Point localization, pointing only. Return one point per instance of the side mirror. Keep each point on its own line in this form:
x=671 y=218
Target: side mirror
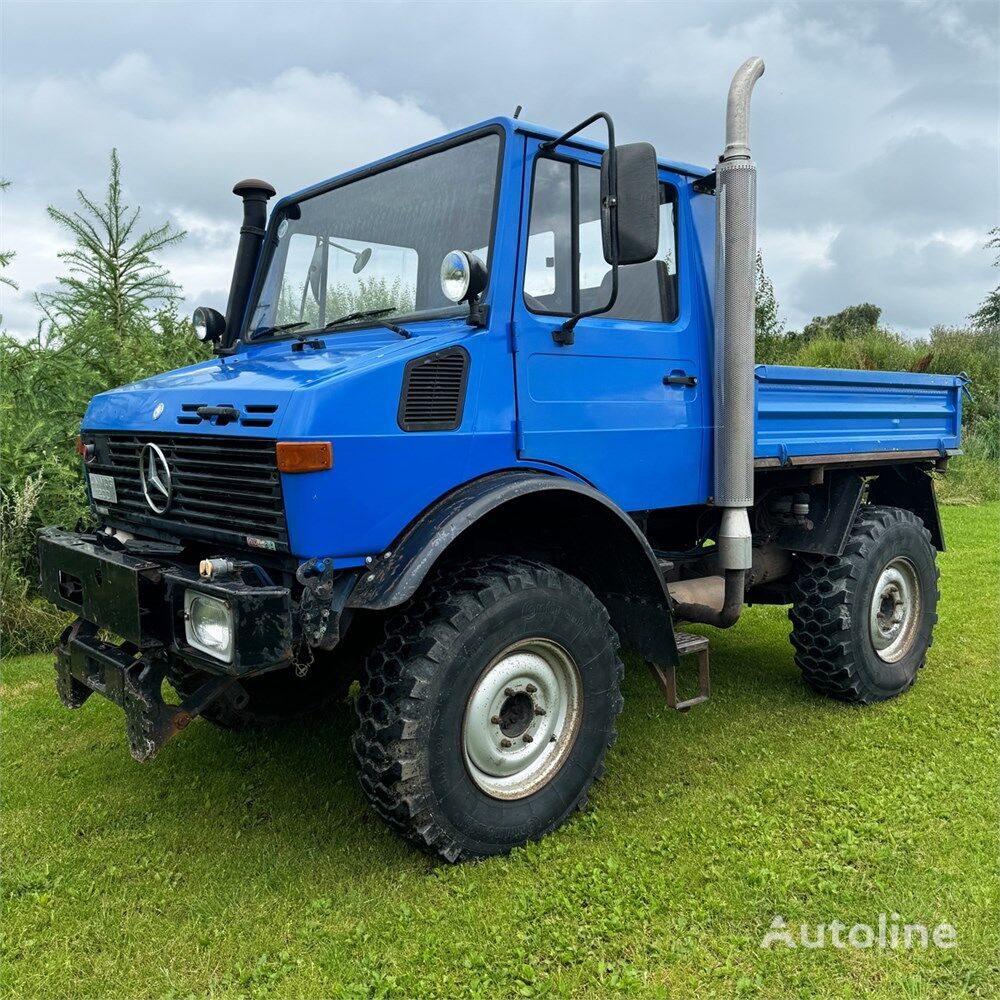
x=209 y=325
x=630 y=215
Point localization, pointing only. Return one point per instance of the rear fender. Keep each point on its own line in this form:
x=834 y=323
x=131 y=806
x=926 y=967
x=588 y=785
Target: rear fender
x=911 y=488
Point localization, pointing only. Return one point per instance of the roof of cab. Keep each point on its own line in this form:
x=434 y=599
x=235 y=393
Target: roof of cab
x=510 y=126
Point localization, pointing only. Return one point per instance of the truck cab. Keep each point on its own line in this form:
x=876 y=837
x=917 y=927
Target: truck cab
x=479 y=413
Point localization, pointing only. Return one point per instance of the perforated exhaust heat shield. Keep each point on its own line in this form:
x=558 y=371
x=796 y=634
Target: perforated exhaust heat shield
x=736 y=254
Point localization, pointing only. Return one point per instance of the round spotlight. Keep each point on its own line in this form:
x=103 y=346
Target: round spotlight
x=463 y=276
x=209 y=324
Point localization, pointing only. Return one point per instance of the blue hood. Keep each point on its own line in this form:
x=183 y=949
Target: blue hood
x=259 y=381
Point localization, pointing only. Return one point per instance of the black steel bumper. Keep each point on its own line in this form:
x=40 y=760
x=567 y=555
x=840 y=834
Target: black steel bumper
x=141 y=600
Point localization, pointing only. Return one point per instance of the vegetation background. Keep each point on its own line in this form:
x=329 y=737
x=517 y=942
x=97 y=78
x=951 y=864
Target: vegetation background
x=113 y=320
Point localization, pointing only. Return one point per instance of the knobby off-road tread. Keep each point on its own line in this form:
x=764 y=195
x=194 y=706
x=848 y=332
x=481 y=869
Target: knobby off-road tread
x=825 y=596
x=392 y=709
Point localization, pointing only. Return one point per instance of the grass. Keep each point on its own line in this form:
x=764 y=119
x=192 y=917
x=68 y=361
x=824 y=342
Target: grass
x=249 y=865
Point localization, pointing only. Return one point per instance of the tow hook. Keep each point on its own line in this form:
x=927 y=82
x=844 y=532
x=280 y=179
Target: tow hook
x=321 y=607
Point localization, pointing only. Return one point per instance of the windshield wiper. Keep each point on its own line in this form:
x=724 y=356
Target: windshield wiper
x=269 y=331
x=375 y=314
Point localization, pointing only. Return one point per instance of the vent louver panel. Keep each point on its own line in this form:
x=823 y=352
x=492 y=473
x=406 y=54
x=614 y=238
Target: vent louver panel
x=252 y=415
x=434 y=391
x=221 y=485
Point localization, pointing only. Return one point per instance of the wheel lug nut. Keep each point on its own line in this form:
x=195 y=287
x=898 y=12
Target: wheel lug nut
x=527 y=737
x=506 y=743
x=539 y=711
x=552 y=740
x=509 y=692
x=531 y=689
x=495 y=720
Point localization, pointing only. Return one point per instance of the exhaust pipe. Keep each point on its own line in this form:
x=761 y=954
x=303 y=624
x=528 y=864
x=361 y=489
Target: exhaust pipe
x=735 y=265
x=255 y=195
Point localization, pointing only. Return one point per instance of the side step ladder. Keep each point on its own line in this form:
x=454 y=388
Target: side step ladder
x=687 y=645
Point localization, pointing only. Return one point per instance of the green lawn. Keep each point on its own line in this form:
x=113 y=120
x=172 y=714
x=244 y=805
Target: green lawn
x=250 y=865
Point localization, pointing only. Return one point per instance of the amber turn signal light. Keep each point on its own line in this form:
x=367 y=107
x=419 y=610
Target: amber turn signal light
x=305 y=456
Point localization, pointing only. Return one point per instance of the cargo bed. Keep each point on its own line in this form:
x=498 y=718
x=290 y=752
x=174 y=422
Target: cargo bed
x=810 y=415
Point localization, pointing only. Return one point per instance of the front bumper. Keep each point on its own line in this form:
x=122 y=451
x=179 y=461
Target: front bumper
x=141 y=600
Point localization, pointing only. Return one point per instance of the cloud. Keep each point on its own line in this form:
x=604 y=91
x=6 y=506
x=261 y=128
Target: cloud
x=875 y=125
x=181 y=153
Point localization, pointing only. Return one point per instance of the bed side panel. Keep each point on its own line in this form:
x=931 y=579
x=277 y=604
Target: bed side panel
x=832 y=411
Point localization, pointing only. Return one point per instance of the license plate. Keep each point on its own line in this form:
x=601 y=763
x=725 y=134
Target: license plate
x=103 y=488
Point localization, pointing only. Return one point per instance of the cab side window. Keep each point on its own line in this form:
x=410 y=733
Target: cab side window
x=565 y=269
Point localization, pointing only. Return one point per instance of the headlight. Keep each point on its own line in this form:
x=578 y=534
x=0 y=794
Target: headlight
x=208 y=625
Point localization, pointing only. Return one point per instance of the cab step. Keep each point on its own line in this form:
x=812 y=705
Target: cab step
x=666 y=676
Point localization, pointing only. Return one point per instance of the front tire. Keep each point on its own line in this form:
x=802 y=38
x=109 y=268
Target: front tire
x=488 y=708
x=862 y=622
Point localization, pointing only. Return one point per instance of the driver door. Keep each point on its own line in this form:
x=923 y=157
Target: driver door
x=623 y=407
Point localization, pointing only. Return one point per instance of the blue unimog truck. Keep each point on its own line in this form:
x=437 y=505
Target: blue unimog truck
x=479 y=414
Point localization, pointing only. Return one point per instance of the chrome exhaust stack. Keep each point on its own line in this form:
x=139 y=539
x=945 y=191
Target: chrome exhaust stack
x=733 y=377
x=735 y=264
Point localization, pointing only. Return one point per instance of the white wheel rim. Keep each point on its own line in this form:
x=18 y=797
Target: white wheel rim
x=522 y=718
x=895 y=610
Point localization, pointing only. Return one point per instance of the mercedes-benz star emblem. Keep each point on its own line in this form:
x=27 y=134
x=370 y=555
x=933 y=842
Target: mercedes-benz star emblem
x=154 y=474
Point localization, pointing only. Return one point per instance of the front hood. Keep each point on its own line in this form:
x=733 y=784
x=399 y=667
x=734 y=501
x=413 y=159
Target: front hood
x=258 y=381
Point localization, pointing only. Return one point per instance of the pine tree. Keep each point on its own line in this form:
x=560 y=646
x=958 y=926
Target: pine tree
x=769 y=324
x=112 y=272
x=6 y=256
x=987 y=316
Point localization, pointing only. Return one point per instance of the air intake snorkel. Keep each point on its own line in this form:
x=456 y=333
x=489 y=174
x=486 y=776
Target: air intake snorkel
x=255 y=195
x=735 y=262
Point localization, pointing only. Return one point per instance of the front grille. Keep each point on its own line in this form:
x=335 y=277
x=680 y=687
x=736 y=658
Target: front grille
x=221 y=486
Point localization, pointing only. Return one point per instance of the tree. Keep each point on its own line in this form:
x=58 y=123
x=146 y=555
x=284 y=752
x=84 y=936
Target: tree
x=854 y=321
x=766 y=305
x=112 y=272
x=6 y=256
x=987 y=316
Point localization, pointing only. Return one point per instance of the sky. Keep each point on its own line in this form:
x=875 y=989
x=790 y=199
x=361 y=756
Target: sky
x=875 y=126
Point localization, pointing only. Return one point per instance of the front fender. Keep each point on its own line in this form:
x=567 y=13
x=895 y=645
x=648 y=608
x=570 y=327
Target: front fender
x=568 y=522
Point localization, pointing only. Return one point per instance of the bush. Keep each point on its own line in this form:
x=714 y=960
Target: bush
x=876 y=350
x=27 y=624
x=45 y=386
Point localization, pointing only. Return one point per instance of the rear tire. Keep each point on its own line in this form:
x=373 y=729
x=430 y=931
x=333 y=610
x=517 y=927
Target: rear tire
x=488 y=708
x=862 y=622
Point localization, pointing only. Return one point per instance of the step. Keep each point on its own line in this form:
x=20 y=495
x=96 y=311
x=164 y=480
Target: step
x=666 y=676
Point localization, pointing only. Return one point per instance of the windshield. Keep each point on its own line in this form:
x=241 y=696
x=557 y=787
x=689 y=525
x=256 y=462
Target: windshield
x=377 y=242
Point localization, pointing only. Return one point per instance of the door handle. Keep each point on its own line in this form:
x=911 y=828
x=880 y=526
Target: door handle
x=689 y=380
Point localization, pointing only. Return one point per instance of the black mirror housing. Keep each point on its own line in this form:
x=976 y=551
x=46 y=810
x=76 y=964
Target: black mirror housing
x=637 y=204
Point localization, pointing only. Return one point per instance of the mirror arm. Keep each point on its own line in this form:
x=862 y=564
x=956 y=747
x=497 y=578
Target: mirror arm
x=564 y=335
x=324 y=271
